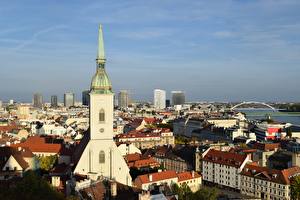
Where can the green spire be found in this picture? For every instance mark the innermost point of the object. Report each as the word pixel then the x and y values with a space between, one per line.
pixel 101 55
pixel 100 82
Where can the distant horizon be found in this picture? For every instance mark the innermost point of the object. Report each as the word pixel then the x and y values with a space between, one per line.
pixel 212 50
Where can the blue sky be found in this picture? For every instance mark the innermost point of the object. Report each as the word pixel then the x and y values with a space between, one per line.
pixel 213 50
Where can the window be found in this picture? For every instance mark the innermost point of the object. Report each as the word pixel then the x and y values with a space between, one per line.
pixel 101 115
pixel 101 157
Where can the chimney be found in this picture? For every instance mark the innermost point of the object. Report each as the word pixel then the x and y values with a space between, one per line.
pixel 113 189
pixel 150 177
pixel 193 174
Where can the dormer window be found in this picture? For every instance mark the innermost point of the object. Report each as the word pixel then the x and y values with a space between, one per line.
pixel 101 116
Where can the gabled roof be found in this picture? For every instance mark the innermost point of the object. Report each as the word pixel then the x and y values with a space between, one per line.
pixel 272 175
pixel 17 153
pixel 149 162
pixel 158 176
pixel 132 157
pixel 39 144
pixel 184 176
pixel 225 158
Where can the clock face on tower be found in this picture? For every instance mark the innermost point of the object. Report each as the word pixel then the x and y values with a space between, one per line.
pixel 101 130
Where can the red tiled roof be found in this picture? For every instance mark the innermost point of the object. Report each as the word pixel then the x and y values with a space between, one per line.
pixel 150 120
pixel 272 175
pixel 132 157
pixel 225 158
pixel 150 162
pixel 38 144
pixel 183 176
pixel 266 146
pixel 8 128
pixel 18 153
pixel 158 176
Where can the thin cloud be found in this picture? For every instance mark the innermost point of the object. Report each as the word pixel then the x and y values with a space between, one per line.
pixel 36 35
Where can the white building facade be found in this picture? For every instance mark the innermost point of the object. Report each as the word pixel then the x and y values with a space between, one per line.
pixel 223 168
pixel 159 99
pixel 101 157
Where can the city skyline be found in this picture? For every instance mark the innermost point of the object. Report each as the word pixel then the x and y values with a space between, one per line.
pixel 216 51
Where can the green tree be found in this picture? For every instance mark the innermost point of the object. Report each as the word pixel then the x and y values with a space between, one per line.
pixel 206 194
pixel 47 162
pixel 295 188
pixel 31 187
pixel 185 193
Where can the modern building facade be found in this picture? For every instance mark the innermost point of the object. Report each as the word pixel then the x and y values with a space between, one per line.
pixel 86 98
pixel 38 100
pixel 100 156
pixel 123 99
pixel 159 99
pixel 178 97
pixel 54 103
pixel 69 99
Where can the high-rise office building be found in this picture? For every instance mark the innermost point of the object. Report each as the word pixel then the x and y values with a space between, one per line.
pixel 11 102
pixel 0 104
pixel 123 99
pixel 168 103
pixel 38 100
pixel 69 99
pixel 178 97
pixel 86 98
pixel 54 103
pixel 159 99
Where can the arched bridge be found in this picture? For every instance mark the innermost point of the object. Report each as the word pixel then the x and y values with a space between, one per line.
pixel 253 102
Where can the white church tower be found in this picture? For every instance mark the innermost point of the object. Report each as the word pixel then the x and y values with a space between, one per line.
pixel 101 157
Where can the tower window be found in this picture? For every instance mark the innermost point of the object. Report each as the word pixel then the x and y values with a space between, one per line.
pixel 101 115
pixel 101 157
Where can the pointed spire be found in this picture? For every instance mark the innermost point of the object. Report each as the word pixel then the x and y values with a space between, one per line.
pixel 100 56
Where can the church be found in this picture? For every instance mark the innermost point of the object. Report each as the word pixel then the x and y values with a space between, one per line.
pixel 99 156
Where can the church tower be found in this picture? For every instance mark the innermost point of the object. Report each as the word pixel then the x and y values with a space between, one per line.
pixel 101 157
pixel 101 98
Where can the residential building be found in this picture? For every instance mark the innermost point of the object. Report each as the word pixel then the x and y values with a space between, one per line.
pixel 141 123
pixel 178 98
pixel 266 183
pixel 223 168
pixel 147 138
pixel 23 111
pixel 69 99
pixel 178 158
pixel 123 99
pixel 170 177
pixel 128 149
pixel 86 98
pixel 52 129
pixel 38 100
pixel 15 161
pixel 159 99
pixel 54 103
pixel 223 122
